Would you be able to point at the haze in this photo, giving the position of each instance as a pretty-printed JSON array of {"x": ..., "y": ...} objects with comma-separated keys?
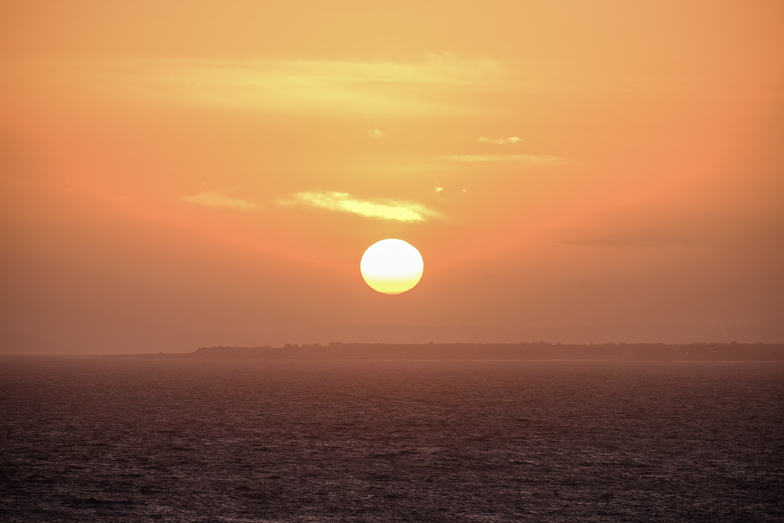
[{"x": 180, "y": 174}]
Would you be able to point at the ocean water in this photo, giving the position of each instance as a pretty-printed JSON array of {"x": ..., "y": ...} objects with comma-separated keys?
[{"x": 112, "y": 439}]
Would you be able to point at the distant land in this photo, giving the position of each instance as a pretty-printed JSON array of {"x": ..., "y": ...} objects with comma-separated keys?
[{"x": 494, "y": 351}]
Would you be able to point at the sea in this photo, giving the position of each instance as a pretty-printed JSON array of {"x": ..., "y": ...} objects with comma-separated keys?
[{"x": 185, "y": 440}]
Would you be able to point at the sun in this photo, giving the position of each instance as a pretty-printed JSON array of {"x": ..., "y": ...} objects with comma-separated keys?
[{"x": 392, "y": 266}]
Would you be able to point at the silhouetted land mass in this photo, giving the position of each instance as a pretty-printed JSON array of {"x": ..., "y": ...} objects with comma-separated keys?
[{"x": 481, "y": 351}]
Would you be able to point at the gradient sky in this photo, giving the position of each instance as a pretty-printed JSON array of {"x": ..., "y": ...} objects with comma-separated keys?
[{"x": 175, "y": 174}]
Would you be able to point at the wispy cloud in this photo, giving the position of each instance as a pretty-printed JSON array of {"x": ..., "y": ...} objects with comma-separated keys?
[
  {"x": 218, "y": 201},
  {"x": 605, "y": 242},
  {"x": 295, "y": 86},
  {"x": 392, "y": 210},
  {"x": 499, "y": 141},
  {"x": 376, "y": 134},
  {"x": 531, "y": 159}
]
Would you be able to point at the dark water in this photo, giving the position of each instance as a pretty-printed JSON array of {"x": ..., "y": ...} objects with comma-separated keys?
[{"x": 177, "y": 440}]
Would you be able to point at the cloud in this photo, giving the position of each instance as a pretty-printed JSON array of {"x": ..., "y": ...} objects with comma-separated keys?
[
  {"x": 449, "y": 194},
  {"x": 499, "y": 141},
  {"x": 218, "y": 201},
  {"x": 530, "y": 159},
  {"x": 605, "y": 242},
  {"x": 397, "y": 89},
  {"x": 376, "y": 133},
  {"x": 390, "y": 210}
]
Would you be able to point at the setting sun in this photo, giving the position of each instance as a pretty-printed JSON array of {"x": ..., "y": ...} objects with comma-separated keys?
[{"x": 392, "y": 266}]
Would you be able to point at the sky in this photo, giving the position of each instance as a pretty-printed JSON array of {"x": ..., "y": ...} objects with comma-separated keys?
[{"x": 177, "y": 174}]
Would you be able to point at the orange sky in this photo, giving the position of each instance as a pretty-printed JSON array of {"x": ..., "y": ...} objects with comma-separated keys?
[{"x": 184, "y": 173}]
